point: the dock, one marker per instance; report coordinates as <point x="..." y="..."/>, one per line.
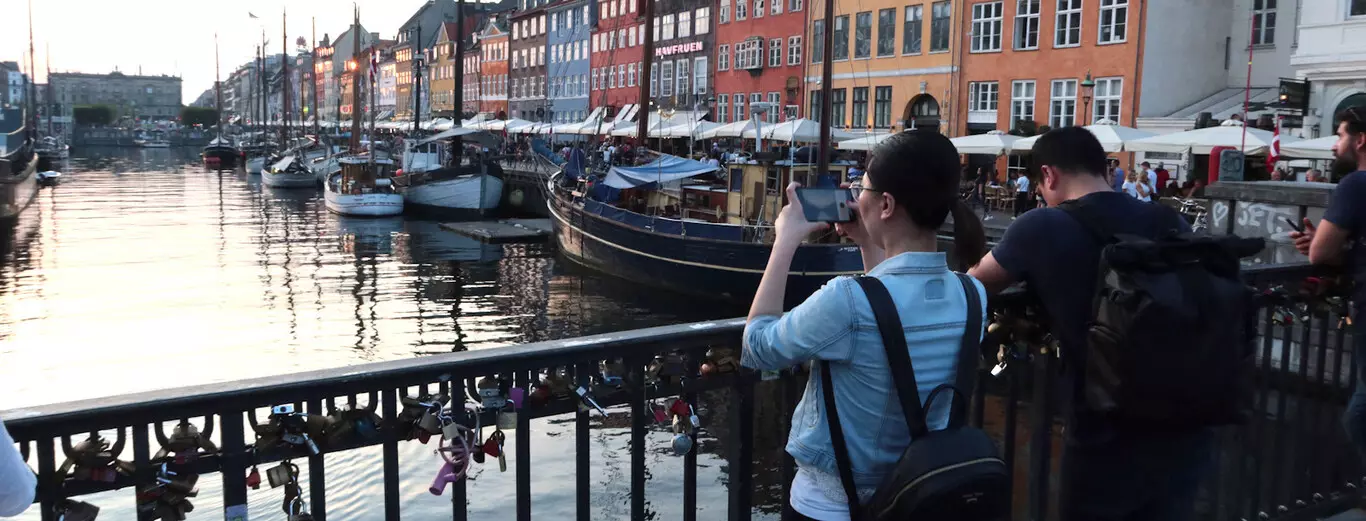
<point x="503" y="231"/>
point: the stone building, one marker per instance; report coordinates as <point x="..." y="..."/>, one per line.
<point x="143" y="98"/>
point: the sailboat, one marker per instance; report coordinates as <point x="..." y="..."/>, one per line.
<point x="220" y="154"/>
<point x="363" y="186"/>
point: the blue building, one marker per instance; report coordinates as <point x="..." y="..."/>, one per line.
<point x="567" y="59"/>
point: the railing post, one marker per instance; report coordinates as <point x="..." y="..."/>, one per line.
<point x="636" y="388"/>
<point x="523" y="380"/>
<point x="1041" y="439"/>
<point x="390" y="452"/>
<point x="141" y="457"/>
<point x="317" y="478"/>
<point x="693" y="364"/>
<point x="49" y="489"/>
<point x="582" y="468"/>
<point x="742" y="449"/>
<point x="232" y="455"/>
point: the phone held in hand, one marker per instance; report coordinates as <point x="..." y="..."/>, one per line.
<point x="1293" y="225"/>
<point x="829" y="205"/>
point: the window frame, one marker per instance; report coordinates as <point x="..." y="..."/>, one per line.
<point x="682" y="24"/>
<point x="835" y="45"/>
<point x="775" y="99"/>
<point x="741" y="10"/>
<point x="1024" y="17"/>
<point x="1119" y="13"/>
<point x="988" y="20"/>
<point x="983" y="96"/>
<point x="817" y="41"/>
<point x="1074" y="9"/>
<point x="702" y="18"/>
<point x="1113" y="93"/>
<point x="918" y="24"/>
<point x="723" y="57"/>
<point x="863" y="35"/>
<point x="1056" y="101"/>
<point x="666" y="78"/>
<point x="723" y="108"/>
<point x="889" y="29"/>
<point x="858" y="108"/>
<point x="940" y="26"/>
<point x="699" y="73"/>
<point x="794" y="50"/>
<point x="838" y="100"/>
<point x="775" y="52"/>
<point x="1019" y="100"/>
<point x="882" y="107"/>
<point x="1260" y="28"/>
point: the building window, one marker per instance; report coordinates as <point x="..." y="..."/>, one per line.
<point x="911" y="27"/>
<point x="986" y="27"/>
<point x="684" y="71"/>
<point x="1109" y="92"/>
<point x="621" y="75"/>
<point x="703" y="18"/>
<point x="748" y="54"/>
<point x="794" y="50"/>
<point x="777" y="7"/>
<point x="939" y="26"/>
<point x="982" y="95"/>
<point x="1021" y="102"/>
<point x="611" y="76"/>
<point x="1063" y="109"/>
<point x="699" y="75"/>
<point x="818" y="41"/>
<point x="794" y="6"/>
<point x="775" y="52"/>
<point x="882" y="107"/>
<point x="741" y="9"/>
<point x="886" y="32"/>
<point x="1358" y="8"/>
<point x="860" y="108"/>
<point x="654" y="79"/>
<point x="841" y="37"/>
<point x="1068" y="33"/>
<point x="684" y="24"/>
<point x="723" y="57"/>
<point x="668" y="27"/>
<point x="863" y="35"/>
<point x="1263" y="22"/>
<point x="666" y="79"/>
<point x="1114" y="15"/>
<point x="774" y="103"/>
<point x="739" y="106"/>
<point x="631" y="74"/>
<point x="758" y="8"/>
<point x="837" y="107"/>
<point x="631" y="36"/>
<point x="722" y="108"/>
<point x="725" y="12"/>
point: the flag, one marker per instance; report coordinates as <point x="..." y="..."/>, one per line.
<point x="1275" y="152"/>
<point x="251" y="15"/>
<point x="374" y="65"/>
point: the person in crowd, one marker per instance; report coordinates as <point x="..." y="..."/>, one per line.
<point x="1343" y="224"/>
<point x="1021" y="195"/>
<point x="1150" y="177"/>
<point x="17" y="481"/>
<point x="1109" y="471"/>
<point x="911" y="187"/>
<point x="1117" y="175"/>
<point x="1314" y="176"/>
<point x="1164" y="178"/>
<point x="1134" y="186"/>
<point x="981" y="188"/>
<point x="856" y="171"/>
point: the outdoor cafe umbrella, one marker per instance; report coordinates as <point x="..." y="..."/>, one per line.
<point x="868" y="142"/>
<point x="1112" y="137"/>
<point x="1202" y="141"/>
<point x="992" y="143"/>
<point x="1317" y="148"/>
<point x="735" y="129"/>
<point x="800" y="130"/>
<point x="692" y="129"/>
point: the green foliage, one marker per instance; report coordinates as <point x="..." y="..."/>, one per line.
<point x="198" y="116"/>
<point x="1027" y="128"/>
<point x="93" y="114"/>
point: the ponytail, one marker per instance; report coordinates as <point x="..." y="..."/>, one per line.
<point x="969" y="239"/>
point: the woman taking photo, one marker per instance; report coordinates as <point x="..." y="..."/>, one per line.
<point x="908" y="191"/>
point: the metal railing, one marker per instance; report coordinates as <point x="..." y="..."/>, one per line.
<point x="1289" y="462"/>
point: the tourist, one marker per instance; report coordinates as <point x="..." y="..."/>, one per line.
<point x="1151" y="177"/>
<point x="1343" y="224"/>
<point x="1136" y="187"/>
<point x="980" y="187"/>
<point x="17" y="481"/>
<point x="1314" y="176"/>
<point x="1163" y="178"/>
<point x="910" y="189"/>
<point x="1117" y="175"/>
<point x="1109" y="471"/>
<point x="856" y="171"/>
<point x="1021" y="195"/>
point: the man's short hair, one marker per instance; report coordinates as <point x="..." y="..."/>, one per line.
<point x="1355" y="118"/>
<point x="1071" y="150"/>
<point x="1146" y="164"/>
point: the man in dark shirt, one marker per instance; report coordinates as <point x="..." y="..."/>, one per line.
<point x="1109" y="472"/>
<point x="1343" y="224"/>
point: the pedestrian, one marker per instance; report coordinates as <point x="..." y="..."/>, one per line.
<point x="906" y="195"/>
<point x="1021" y="195"/>
<point x="1150" y="176"/>
<point x="1163" y="179"/>
<point x="1117" y="176"/>
<point x="1110" y="470"/>
<point x="17" y="481"/>
<point x="1314" y="176"/>
<point x="980" y="187"/>
<point x="1343" y="224"/>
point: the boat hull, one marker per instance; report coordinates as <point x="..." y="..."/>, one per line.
<point x="288" y="180"/>
<point x="17" y="192"/>
<point x="256" y="164"/>
<point x="365" y="205"/>
<point x="221" y="158"/>
<point x="465" y="194"/>
<point x="696" y="266"/>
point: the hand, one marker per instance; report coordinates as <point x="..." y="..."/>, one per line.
<point x="854" y="229"/>
<point x="792" y="224"/>
<point x="1305" y="238"/>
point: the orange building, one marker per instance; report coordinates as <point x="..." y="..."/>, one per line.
<point x="493" y="69"/>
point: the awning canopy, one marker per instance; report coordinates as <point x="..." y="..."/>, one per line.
<point x="1112" y="137"/>
<point x="735" y="129"/>
<point x="663" y="169"/>
<point x="461" y="132"/>
<point x="799" y="130"/>
<point x="864" y="143"/>
<point x="1317" y="148"/>
<point x="1202" y="141"/>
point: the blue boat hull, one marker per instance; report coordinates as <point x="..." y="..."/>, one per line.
<point x="690" y="265"/>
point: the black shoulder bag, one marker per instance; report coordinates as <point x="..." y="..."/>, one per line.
<point x="955" y="473"/>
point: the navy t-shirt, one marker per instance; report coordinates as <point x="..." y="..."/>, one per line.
<point x="1057" y="257"/>
<point x="1347" y="210"/>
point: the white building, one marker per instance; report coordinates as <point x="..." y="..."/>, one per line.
<point x="1332" y="56"/>
<point x="15" y="85"/>
<point x="388" y="87"/>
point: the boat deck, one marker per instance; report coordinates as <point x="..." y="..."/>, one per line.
<point x="503" y="231"/>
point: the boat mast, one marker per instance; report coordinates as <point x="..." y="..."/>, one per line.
<point x="355" y="83"/>
<point x="417" y="58"/>
<point x="313" y="58"/>
<point x="647" y="60"/>
<point x="48" y="51"/>
<point x="265" y="86"/>
<point x="457" y="90"/>
<point x="284" y="74"/>
<point x="32" y="78"/>
<point x="217" y="87"/>
<point x="827" y="56"/>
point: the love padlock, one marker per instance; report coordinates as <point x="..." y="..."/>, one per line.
<point x="680" y="408"/>
<point x="254" y="478"/>
<point x="661" y="413"/>
<point x="491" y="393"/>
<point x="72" y="510"/>
<point x="492" y="448"/>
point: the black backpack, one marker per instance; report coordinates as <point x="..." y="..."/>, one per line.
<point x="953" y="474"/>
<point x="1170" y="340"/>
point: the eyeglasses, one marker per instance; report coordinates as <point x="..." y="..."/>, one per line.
<point x="857" y="189"/>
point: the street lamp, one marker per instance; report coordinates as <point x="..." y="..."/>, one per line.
<point x="692" y="136"/>
<point x="1087" y="85"/>
<point x="757" y="109"/>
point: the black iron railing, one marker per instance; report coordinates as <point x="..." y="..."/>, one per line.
<point x="1290" y="462"/>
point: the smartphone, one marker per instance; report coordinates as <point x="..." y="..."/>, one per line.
<point x="282" y="409"/>
<point x="829" y="205"/>
<point x="1292" y="224"/>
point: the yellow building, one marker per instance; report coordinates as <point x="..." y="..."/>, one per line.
<point x="442" y="73"/>
<point x="894" y="63"/>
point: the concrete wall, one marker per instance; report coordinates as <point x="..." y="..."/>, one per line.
<point x="1331" y="57"/>
<point x="1269" y="62"/>
<point x="1184" y="50"/>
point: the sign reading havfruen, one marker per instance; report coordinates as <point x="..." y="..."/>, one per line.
<point x="678" y="48"/>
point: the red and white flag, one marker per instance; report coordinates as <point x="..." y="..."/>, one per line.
<point x="1275" y="152"/>
<point x="374" y="66"/>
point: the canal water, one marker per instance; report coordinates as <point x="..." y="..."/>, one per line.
<point x="144" y="271"/>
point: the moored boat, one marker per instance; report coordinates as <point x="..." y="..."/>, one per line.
<point x="470" y="190"/>
<point x="288" y="173"/>
<point x="362" y="188"/>
<point x="18" y="182"/>
<point x="221" y="154"/>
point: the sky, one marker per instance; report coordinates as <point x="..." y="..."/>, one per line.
<point x="176" y="37"/>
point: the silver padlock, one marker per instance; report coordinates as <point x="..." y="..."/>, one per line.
<point x="72" y="510"/>
<point x="1000" y="368"/>
<point x="429" y="422"/>
<point x="451" y="429"/>
<point x="507" y="420"/>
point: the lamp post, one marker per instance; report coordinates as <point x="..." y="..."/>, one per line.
<point x="1087" y="85"/>
<point x="692" y="135"/>
<point x="757" y="109"/>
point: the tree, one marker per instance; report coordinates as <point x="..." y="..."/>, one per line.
<point x="198" y="116"/>
<point x="93" y="114"/>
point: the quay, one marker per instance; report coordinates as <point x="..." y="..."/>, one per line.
<point x="503" y="231"/>
<point x="1286" y="463"/>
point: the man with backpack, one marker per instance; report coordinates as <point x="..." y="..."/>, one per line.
<point x="1139" y="394"/>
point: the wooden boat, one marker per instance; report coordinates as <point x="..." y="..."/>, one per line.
<point x="363" y="187"/>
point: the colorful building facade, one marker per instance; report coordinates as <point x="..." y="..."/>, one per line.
<point x="493" y="70"/>
<point x="760" y="51"/>
<point x="567" y="57"/>
<point x="617" y="43"/>
<point x="527" y="62"/>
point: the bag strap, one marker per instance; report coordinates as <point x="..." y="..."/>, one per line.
<point x="898" y="355"/>
<point x="968" y="353"/>
<point x="1081" y="212"/>
<point x="842" y="462"/>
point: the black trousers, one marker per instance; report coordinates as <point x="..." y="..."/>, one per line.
<point x="1021" y="202"/>
<point x="792" y="515"/>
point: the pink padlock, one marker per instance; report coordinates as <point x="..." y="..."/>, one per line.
<point x="515" y="395"/>
<point x="443" y="477"/>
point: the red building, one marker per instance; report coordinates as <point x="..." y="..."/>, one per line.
<point x="760" y="53"/>
<point x="617" y="43"/>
